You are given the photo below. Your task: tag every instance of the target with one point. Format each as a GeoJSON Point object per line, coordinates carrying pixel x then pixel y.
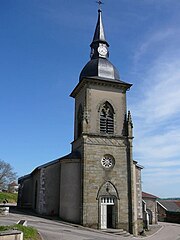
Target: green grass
{"type": "Point", "coordinates": [11, 197]}
{"type": "Point", "coordinates": [30, 233]}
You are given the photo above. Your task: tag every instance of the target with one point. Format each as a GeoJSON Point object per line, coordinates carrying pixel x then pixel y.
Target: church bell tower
{"type": "Point", "coordinates": [103, 137]}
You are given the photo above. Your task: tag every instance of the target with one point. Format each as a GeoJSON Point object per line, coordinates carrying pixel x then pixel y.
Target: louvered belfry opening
{"type": "Point", "coordinates": [107, 119]}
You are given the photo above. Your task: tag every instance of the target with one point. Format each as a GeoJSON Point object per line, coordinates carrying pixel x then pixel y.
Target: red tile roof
{"type": "Point", "coordinates": [147, 195]}
{"type": "Point", "coordinates": [177, 203]}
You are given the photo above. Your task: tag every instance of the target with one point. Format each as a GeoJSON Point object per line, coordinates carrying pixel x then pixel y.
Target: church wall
{"type": "Point", "coordinates": [80, 99]}
{"type": "Point", "coordinates": [135, 200]}
{"type": "Point", "coordinates": [139, 192]}
{"type": "Point", "coordinates": [95, 175]}
{"type": "Point", "coordinates": [70, 191]}
{"type": "Point", "coordinates": [91, 98]}
{"type": "Point", "coordinates": [138, 218]}
{"type": "Point", "coordinates": [25, 193]}
{"type": "Point", "coordinates": [52, 188]}
{"type": "Point", "coordinates": [36, 190]}
{"type": "Point", "coordinates": [77, 145]}
{"type": "Point", "coordinates": [46, 189]}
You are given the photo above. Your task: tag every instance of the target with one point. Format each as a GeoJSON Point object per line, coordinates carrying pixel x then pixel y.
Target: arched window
{"type": "Point", "coordinates": [79, 121]}
{"type": "Point", "coordinates": [107, 118]}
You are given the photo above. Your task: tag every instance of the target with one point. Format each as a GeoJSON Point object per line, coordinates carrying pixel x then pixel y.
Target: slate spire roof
{"type": "Point", "coordinates": [99, 66]}
{"type": "Point", "coordinates": [99, 34]}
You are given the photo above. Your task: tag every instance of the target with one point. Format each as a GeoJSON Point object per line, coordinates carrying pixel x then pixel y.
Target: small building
{"type": "Point", "coordinates": [150, 202]}
{"type": "Point", "coordinates": [13, 187]}
{"type": "Point", "coordinates": [168, 210]}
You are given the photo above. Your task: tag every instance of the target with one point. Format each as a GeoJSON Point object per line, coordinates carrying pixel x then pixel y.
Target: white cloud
{"type": "Point", "coordinates": [166, 162]}
{"type": "Point", "coordinates": [161, 91]}
{"type": "Point", "coordinates": [156, 116]}
{"type": "Point", "coordinates": [161, 181]}
{"type": "Point", "coordinates": [150, 41]}
{"type": "Point", "coordinates": [157, 146]}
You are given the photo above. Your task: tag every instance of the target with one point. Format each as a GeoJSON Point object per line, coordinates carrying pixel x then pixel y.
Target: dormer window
{"type": "Point", "coordinates": [107, 119]}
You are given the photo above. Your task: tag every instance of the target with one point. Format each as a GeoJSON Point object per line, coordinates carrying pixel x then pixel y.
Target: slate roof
{"type": "Point", "coordinates": [72, 155]}
{"type": "Point", "coordinates": [170, 205]}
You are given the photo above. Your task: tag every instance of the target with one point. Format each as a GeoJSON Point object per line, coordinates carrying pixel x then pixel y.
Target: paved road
{"type": "Point", "coordinates": [55, 230]}
{"type": "Point", "coordinates": [168, 231]}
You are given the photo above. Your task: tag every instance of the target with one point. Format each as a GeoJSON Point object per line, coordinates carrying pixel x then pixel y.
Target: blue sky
{"type": "Point", "coordinates": [44, 44]}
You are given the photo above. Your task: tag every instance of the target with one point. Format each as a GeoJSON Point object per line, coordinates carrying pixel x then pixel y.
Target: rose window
{"type": "Point", "coordinates": [107, 161]}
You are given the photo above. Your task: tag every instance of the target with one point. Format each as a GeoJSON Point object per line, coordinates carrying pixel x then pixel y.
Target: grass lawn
{"type": "Point", "coordinates": [11, 197]}
{"type": "Point", "coordinates": [29, 232]}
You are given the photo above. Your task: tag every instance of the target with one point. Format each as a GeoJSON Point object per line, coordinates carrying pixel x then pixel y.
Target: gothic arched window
{"type": "Point", "coordinates": [79, 121]}
{"type": "Point", "coordinates": [107, 118]}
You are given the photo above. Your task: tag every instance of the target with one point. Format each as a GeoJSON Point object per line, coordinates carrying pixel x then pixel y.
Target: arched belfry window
{"type": "Point", "coordinates": [107, 118]}
{"type": "Point", "coordinates": [79, 121]}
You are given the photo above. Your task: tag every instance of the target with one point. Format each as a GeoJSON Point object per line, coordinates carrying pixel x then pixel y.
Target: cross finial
{"type": "Point", "coordinates": [99, 3]}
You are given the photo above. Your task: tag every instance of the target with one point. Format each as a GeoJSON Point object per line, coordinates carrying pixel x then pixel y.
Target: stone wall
{"type": "Point", "coordinates": [70, 191]}
{"type": "Point", "coordinates": [11, 235]}
{"type": "Point", "coordinates": [151, 206]}
{"type": "Point", "coordinates": [95, 176]}
{"type": "Point", "coordinates": [25, 196]}
{"type": "Point", "coordinates": [50, 189]}
{"type": "Point", "coordinates": [138, 197]}
{"type": "Point", "coordinates": [42, 191]}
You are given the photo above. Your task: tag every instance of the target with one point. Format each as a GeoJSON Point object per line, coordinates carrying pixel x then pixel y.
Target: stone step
{"type": "Point", "coordinates": [124, 234]}
{"type": "Point", "coordinates": [118, 232]}
{"type": "Point", "coordinates": [111, 230]}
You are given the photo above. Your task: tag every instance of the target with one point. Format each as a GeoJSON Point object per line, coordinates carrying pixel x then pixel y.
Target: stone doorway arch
{"type": "Point", "coordinates": [108, 208]}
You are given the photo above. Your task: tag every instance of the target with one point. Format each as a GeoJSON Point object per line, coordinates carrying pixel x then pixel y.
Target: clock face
{"type": "Point", "coordinates": [102, 50]}
{"type": "Point", "coordinates": [107, 162]}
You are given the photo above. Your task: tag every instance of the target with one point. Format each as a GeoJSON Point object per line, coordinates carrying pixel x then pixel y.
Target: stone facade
{"type": "Point", "coordinates": [93, 146]}
{"type": "Point", "coordinates": [151, 207]}
{"type": "Point", "coordinates": [70, 191]}
{"type": "Point", "coordinates": [138, 196]}
{"type": "Point", "coordinates": [25, 192]}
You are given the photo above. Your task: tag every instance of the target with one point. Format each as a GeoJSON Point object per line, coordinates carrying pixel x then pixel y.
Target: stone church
{"type": "Point", "coordinates": [98, 184]}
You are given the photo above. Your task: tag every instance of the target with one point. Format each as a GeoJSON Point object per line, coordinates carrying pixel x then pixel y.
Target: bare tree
{"type": "Point", "coordinates": [7, 175]}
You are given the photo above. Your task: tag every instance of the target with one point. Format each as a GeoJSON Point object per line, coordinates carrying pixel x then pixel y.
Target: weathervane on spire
{"type": "Point", "coordinates": [99, 3]}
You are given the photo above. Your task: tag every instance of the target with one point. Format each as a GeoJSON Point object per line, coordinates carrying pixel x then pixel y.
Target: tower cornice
{"type": "Point", "coordinates": [123, 86]}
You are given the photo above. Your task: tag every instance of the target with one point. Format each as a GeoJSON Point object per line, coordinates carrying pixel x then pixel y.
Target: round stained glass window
{"type": "Point", "coordinates": [107, 161]}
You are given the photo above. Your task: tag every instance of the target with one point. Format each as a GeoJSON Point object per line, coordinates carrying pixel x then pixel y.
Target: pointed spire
{"type": "Point", "coordinates": [130, 118]}
{"type": "Point", "coordinates": [99, 66]}
{"type": "Point", "coordinates": [99, 45]}
{"type": "Point", "coordinates": [99, 35]}
{"type": "Point", "coordinates": [130, 125]}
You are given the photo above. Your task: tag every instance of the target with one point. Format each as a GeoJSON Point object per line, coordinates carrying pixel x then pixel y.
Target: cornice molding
{"type": "Point", "coordinates": [100, 82]}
